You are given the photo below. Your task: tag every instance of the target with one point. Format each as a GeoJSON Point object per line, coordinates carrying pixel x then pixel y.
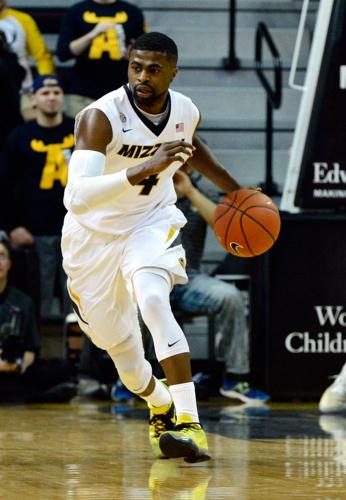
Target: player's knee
{"type": "Point", "coordinates": [152, 304]}
{"type": "Point", "coordinates": [134, 370]}
{"type": "Point", "coordinates": [136, 378]}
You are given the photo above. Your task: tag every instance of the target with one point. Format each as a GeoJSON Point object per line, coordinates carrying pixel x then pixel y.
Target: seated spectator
{"type": "Point", "coordinates": [23, 376]}
{"type": "Point", "coordinates": [33, 176]}
{"type": "Point", "coordinates": [97, 33]}
{"type": "Point", "coordinates": [11, 77]}
{"type": "Point", "coordinates": [204, 293]}
{"type": "Point", "coordinates": [26, 41]}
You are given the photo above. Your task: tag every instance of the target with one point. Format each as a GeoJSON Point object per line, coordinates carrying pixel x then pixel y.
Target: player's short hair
{"type": "Point", "coordinates": [157, 42]}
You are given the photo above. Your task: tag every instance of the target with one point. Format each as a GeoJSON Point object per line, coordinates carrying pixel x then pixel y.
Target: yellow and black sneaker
{"type": "Point", "coordinates": [161, 419]}
{"type": "Point", "coordinates": [187, 440]}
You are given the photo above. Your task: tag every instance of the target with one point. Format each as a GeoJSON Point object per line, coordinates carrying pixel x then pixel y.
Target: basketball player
{"type": "Point", "coordinates": [119, 230]}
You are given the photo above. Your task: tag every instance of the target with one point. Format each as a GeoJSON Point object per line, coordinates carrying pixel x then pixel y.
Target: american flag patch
{"type": "Point", "coordinates": [179, 127]}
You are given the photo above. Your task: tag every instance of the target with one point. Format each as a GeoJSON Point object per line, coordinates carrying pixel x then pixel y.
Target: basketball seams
{"type": "Point", "coordinates": [231, 223]}
{"type": "Point", "coordinates": [245, 199]}
{"type": "Point", "coordinates": [227, 229]}
{"type": "Point", "coordinates": [272, 209]}
{"type": "Point", "coordinates": [223, 213]}
{"type": "Point", "coordinates": [260, 224]}
{"type": "Point", "coordinates": [240, 204]}
{"type": "Point", "coordinates": [228, 205]}
{"type": "Point", "coordinates": [244, 212]}
{"type": "Point", "coordinates": [243, 232]}
{"type": "Point", "coordinates": [235, 195]}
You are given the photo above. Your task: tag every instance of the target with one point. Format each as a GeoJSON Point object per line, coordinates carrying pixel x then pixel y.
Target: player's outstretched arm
{"type": "Point", "coordinates": [207, 164]}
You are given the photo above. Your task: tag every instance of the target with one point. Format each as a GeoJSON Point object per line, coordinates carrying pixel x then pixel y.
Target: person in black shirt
{"type": "Point", "coordinates": [33, 176]}
{"type": "Point", "coordinates": [24, 377]}
{"type": "Point", "coordinates": [11, 77]}
{"type": "Point", "coordinates": [97, 33]}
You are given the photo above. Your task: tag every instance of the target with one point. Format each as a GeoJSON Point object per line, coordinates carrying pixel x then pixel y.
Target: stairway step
{"type": "Point", "coordinates": [280, 5]}
{"type": "Point", "coordinates": [241, 107]}
{"type": "Point", "coordinates": [195, 49]}
{"type": "Point", "coordinates": [205, 77]}
{"type": "Point", "coordinates": [248, 166]}
{"type": "Point", "coordinates": [163, 20]}
{"type": "Point", "coordinates": [241, 140]}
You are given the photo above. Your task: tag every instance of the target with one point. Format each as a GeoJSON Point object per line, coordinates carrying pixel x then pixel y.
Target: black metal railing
{"type": "Point", "coordinates": [232, 62]}
{"type": "Point", "coordinates": [273, 95]}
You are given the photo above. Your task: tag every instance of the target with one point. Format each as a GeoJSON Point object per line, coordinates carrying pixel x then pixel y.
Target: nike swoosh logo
{"type": "Point", "coordinates": [235, 247]}
{"type": "Point", "coordinates": [171, 345]}
{"type": "Point", "coordinates": [126, 130]}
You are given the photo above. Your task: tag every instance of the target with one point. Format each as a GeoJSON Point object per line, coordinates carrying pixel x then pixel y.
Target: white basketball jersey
{"type": "Point", "coordinates": [135, 139]}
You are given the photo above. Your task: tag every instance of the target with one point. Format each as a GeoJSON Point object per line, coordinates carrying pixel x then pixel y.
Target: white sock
{"type": "Point", "coordinates": [160, 395]}
{"type": "Point", "coordinates": [184, 398]}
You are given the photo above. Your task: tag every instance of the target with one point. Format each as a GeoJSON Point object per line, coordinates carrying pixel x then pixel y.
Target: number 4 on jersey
{"type": "Point", "coordinates": [149, 183]}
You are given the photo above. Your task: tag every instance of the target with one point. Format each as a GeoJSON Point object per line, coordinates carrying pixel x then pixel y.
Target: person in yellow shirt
{"type": "Point", "coordinates": [25, 40]}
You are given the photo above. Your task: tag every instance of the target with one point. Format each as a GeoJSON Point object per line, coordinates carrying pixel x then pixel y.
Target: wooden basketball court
{"type": "Point", "coordinates": [86, 450]}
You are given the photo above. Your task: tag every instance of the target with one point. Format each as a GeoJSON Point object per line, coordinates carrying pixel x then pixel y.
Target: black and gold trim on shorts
{"type": "Point", "coordinates": [171, 233]}
{"type": "Point", "coordinates": [76, 304]}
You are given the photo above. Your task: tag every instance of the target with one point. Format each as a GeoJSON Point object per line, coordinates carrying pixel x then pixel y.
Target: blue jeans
{"type": "Point", "coordinates": [50, 258]}
{"type": "Point", "coordinates": [210, 295]}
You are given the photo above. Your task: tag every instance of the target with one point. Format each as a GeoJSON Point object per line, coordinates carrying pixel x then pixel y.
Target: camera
{"type": "Point", "coordinates": [11, 338]}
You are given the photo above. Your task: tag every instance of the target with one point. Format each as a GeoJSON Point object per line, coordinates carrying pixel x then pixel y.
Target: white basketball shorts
{"type": "Point", "coordinates": [100, 268]}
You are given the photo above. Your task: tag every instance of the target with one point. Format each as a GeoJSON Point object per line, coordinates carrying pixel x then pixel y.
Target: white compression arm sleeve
{"type": "Point", "coordinates": [87, 187]}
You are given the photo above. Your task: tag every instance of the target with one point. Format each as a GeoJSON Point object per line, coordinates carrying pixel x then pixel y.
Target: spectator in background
{"type": "Point", "coordinates": [11, 77]}
{"type": "Point", "coordinates": [33, 175]}
{"type": "Point", "coordinates": [204, 293]}
{"type": "Point", "coordinates": [25, 40]}
{"type": "Point", "coordinates": [97, 33]}
{"type": "Point", "coordinates": [23, 376]}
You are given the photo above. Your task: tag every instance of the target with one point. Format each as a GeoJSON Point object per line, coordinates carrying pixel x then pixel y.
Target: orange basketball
{"type": "Point", "coordinates": [246, 223]}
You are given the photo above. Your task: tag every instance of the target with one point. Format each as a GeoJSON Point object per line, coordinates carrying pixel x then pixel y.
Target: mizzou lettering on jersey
{"type": "Point", "coordinates": [112, 41]}
{"type": "Point", "coordinates": [136, 151]}
{"type": "Point", "coordinates": [55, 167]}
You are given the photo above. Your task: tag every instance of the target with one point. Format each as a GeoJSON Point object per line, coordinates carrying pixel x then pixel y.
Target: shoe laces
{"type": "Point", "coordinates": [187, 426]}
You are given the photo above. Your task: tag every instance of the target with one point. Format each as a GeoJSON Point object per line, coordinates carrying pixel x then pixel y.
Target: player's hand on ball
{"type": "Point", "coordinates": [168, 153]}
